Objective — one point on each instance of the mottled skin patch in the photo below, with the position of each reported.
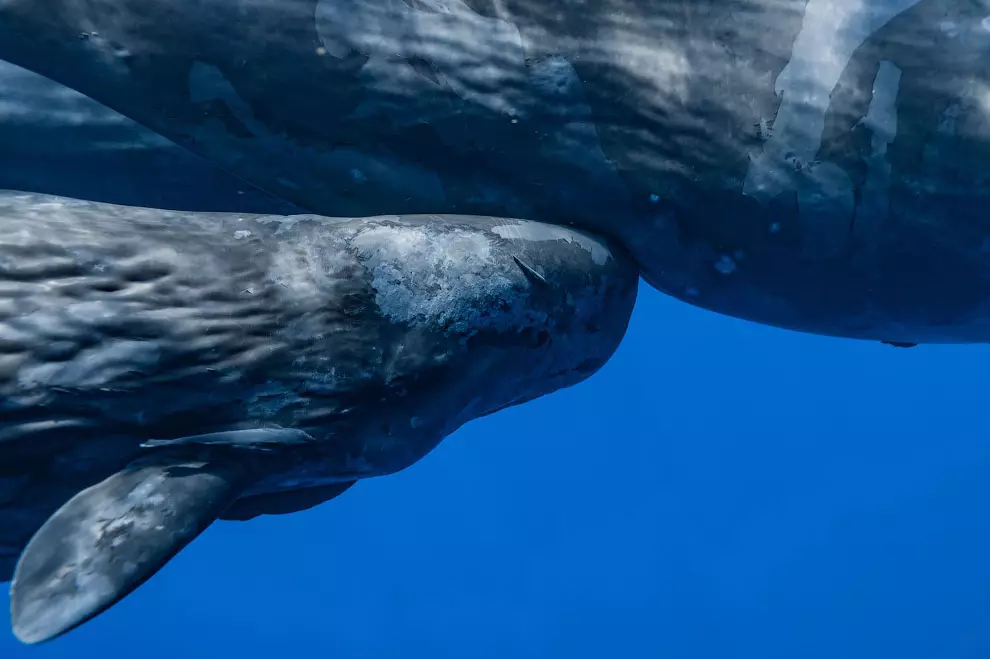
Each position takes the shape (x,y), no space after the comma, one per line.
(639,120)
(119,325)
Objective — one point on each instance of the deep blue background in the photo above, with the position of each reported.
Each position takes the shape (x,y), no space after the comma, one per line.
(719,490)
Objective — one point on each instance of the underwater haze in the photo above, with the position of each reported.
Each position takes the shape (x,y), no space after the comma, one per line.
(720,489)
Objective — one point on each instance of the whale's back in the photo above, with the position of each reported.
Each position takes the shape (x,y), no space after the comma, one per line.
(102,307)
(108,318)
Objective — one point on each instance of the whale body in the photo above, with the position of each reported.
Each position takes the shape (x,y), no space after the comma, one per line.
(54,140)
(819,165)
(162,369)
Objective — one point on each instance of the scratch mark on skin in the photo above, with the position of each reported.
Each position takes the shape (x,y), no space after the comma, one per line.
(528,270)
(831,32)
(881,119)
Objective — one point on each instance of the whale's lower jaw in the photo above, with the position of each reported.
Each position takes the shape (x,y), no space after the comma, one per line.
(170,369)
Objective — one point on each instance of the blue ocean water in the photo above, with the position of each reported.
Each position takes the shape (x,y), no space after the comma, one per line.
(720,489)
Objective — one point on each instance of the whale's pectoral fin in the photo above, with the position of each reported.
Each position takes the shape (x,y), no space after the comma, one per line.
(283,503)
(112,537)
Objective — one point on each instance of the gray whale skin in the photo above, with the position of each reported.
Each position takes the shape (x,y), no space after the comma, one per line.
(54,140)
(162,369)
(819,165)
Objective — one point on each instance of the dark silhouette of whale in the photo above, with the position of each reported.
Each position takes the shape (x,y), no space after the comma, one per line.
(161,369)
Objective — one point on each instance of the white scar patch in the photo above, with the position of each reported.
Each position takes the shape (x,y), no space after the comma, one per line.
(537,231)
(831,32)
(882,122)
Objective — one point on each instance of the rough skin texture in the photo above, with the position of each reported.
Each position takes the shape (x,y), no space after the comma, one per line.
(812,164)
(377,336)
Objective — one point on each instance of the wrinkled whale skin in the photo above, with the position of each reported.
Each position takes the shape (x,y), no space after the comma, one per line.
(819,165)
(377,336)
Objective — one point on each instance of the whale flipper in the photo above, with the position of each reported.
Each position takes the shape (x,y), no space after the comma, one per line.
(255,439)
(110,538)
(283,503)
